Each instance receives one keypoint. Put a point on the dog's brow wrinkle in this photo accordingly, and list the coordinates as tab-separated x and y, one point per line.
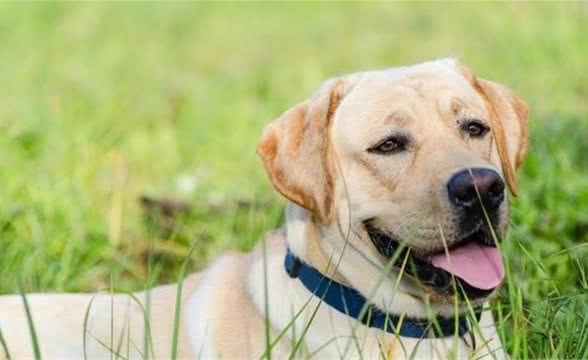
457	105
398	117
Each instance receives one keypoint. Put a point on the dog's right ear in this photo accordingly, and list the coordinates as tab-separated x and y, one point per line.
296	152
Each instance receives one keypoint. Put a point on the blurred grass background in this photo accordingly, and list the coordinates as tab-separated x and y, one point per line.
103	103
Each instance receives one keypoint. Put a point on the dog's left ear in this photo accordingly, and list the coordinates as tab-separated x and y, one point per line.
296	153
508	114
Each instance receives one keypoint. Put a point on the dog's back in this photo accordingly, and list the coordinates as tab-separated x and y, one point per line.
99	324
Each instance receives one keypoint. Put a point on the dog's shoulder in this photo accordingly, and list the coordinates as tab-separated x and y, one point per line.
219	312
223	321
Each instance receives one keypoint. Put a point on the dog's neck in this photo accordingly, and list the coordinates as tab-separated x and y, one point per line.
304	237
306	240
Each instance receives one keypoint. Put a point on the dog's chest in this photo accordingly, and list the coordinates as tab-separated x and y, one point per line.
371	344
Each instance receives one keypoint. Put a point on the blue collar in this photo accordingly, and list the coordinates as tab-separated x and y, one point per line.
349	301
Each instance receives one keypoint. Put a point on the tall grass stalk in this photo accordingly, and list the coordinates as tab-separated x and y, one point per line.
4	346
32	332
178	303
85	327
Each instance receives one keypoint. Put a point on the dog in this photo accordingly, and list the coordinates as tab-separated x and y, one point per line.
396	182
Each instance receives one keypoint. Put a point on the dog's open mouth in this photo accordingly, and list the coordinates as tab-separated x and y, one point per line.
474	262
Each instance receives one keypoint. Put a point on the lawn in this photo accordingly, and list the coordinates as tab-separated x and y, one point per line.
105	103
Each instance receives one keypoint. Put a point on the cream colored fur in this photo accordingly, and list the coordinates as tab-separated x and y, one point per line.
315	155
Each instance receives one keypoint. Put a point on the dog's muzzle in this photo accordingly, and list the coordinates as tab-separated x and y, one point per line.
473	264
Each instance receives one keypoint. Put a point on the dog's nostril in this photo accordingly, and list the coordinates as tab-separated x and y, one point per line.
465	193
497	188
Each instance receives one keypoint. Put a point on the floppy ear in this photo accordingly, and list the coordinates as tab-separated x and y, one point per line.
508	114
295	150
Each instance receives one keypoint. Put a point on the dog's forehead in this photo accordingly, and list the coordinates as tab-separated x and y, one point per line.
412	94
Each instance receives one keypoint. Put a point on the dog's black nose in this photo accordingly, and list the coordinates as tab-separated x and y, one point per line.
462	189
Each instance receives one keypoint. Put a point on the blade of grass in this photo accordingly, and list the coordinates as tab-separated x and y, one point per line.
286	328
122	335
132	297
32	332
4	346
313	315
327	343
105	346
147	332
304	331
495	239
85	327
178	305
395	338
353	329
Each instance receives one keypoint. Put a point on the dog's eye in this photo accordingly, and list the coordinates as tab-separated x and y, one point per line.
475	128
390	145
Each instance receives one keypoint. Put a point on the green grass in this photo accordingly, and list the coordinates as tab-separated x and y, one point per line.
104	103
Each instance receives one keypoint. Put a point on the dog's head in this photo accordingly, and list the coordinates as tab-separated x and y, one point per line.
415	162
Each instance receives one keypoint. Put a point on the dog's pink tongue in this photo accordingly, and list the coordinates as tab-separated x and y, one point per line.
478	265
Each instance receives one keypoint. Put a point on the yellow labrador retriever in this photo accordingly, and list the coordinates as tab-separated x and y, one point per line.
396	181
